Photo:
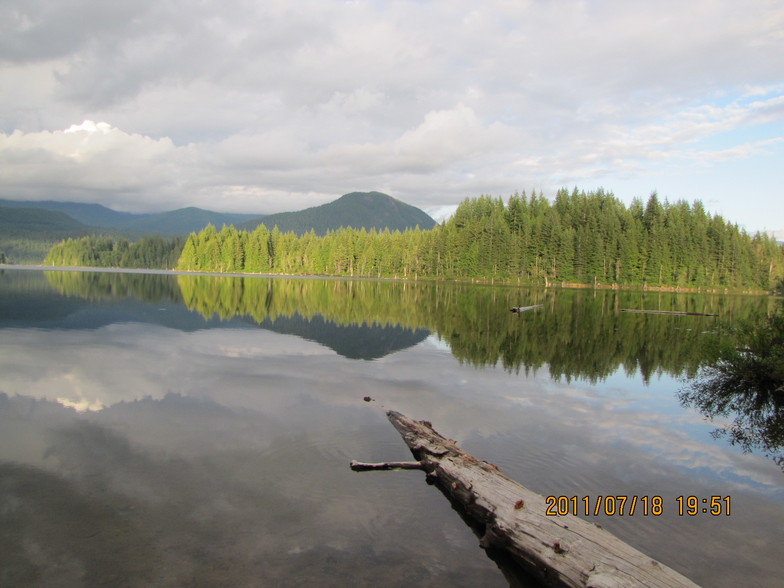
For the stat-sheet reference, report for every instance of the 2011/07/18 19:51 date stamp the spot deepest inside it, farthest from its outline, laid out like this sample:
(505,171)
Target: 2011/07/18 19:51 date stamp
(631,505)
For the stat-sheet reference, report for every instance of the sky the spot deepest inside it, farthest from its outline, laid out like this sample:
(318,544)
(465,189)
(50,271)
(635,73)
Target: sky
(270,106)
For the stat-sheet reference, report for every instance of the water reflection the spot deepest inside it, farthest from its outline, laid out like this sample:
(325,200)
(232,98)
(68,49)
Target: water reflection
(89,300)
(576,333)
(191,492)
(756,419)
(351,341)
(744,382)
(209,451)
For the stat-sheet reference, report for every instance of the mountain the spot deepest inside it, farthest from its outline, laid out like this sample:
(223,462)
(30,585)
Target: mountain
(183,221)
(357,210)
(32,223)
(26,234)
(94,215)
(29,229)
(167,224)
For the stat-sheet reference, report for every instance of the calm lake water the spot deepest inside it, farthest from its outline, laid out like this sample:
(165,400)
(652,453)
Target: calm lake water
(162,430)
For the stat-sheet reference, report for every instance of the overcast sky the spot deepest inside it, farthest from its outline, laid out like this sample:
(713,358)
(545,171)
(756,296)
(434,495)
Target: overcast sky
(272,105)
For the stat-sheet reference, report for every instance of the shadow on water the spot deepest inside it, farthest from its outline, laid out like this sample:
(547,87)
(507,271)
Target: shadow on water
(513,572)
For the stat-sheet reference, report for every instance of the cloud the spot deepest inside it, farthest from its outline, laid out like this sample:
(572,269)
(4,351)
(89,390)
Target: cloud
(88,161)
(276,106)
(443,139)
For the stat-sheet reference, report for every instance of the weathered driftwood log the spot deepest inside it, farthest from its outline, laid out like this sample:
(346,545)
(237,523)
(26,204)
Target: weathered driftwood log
(677,312)
(558,551)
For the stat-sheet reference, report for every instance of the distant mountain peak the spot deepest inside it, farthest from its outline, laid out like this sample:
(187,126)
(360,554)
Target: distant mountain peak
(368,210)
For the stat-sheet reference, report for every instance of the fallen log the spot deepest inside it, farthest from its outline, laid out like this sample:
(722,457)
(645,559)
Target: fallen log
(676,312)
(556,551)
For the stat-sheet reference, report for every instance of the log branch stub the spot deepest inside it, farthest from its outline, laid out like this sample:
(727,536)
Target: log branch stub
(359,466)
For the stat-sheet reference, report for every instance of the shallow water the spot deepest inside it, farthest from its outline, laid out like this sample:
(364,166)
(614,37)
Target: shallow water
(147,441)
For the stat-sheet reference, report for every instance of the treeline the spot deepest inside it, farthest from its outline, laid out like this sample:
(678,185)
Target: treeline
(103,251)
(579,237)
(23,250)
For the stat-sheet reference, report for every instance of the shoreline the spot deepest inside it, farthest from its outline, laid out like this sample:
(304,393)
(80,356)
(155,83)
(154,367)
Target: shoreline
(643,288)
(162,272)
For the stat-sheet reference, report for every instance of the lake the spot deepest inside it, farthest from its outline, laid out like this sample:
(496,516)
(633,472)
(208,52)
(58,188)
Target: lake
(169,430)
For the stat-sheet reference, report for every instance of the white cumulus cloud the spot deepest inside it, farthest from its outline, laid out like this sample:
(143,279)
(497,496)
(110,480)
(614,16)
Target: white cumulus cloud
(272,106)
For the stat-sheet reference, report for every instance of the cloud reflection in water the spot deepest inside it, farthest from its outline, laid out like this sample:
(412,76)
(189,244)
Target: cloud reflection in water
(222,454)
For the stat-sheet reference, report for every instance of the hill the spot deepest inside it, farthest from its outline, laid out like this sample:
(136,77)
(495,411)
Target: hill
(94,215)
(167,224)
(182,221)
(32,222)
(357,210)
(29,229)
(26,234)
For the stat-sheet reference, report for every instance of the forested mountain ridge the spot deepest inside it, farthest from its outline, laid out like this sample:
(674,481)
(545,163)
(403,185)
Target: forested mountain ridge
(584,238)
(356,209)
(577,238)
(28,230)
(31,221)
(368,210)
(28,233)
(182,221)
(23,239)
(170,223)
(94,215)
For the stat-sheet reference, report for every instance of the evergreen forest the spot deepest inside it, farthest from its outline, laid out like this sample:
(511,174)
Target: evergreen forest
(577,238)
(103,251)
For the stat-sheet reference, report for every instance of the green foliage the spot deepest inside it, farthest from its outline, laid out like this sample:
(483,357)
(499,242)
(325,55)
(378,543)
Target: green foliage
(102,251)
(586,238)
(22,250)
(744,380)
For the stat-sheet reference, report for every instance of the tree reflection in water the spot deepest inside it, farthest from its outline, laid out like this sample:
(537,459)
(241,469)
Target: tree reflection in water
(577,333)
(744,381)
